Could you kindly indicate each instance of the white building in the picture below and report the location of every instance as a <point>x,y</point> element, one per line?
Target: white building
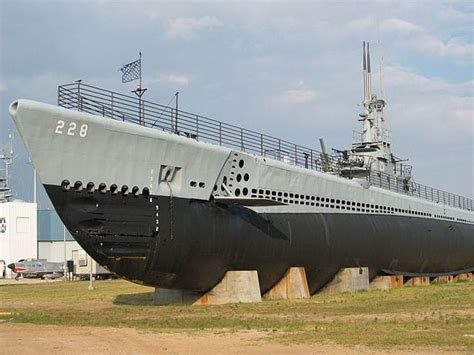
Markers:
<point>18,230</point>
<point>27,233</point>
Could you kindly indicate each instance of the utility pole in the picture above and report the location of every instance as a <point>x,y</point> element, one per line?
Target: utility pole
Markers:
<point>91,286</point>
<point>34,185</point>
<point>64,243</point>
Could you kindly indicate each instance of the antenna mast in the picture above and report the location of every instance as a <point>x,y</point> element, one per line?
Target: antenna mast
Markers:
<point>364,72</point>
<point>7,156</point>
<point>139,92</point>
<point>369,74</point>
<point>381,77</point>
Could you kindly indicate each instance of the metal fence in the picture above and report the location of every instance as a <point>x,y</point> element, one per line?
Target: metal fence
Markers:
<point>97,101</point>
<point>409,187</point>
<point>385,133</point>
<point>106,103</point>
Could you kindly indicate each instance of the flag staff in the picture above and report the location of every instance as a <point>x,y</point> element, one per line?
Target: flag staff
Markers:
<point>133,71</point>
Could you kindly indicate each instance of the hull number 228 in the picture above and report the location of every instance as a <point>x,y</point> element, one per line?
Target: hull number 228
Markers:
<point>71,129</point>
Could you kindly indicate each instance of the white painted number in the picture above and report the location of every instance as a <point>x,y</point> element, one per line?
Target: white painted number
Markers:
<point>83,131</point>
<point>71,128</point>
<point>59,127</point>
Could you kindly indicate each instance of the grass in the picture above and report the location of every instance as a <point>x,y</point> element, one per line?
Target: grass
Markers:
<point>439,316</point>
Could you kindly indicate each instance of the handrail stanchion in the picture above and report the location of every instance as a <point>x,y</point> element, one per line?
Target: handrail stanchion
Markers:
<point>79,108</point>
<point>197,127</point>
<point>220,133</point>
<point>112,104</point>
<point>177,113</point>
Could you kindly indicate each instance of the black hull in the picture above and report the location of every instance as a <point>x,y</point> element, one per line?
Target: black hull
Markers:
<point>190,244</point>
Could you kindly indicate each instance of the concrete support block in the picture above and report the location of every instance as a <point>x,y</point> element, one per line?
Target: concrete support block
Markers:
<point>445,279</point>
<point>464,277</point>
<point>348,280</point>
<point>418,281</point>
<point>386,282</point>
<point>292,286</point>
<point>235,287</point>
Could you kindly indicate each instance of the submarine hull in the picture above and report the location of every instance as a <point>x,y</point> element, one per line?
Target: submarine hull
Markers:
<point>198,241</point>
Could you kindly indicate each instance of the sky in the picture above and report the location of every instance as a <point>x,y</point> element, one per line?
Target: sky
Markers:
<point>288,69</point>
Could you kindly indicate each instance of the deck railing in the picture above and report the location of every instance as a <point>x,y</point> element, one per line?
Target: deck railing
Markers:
<point>97,101</point>
<point>409,187</point>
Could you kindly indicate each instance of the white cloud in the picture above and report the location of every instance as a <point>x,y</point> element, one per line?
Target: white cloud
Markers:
<point>422,39</point>
<point>453,47</point>
<point>443,109</point>
<point>464,116</point>
<point>398,25</point>
<point>41,87</point>
<point>391,25</point>
<point>173,79</point>
<point>401,78</point>
<point>359,25</point>
<point>186,27</point>
<point>298,96</point>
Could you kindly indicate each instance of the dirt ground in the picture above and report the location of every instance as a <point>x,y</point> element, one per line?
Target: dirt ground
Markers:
<point>51,339</point>
<point>118,317</point>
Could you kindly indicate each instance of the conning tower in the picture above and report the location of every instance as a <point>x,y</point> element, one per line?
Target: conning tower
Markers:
<point>372,148</point>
